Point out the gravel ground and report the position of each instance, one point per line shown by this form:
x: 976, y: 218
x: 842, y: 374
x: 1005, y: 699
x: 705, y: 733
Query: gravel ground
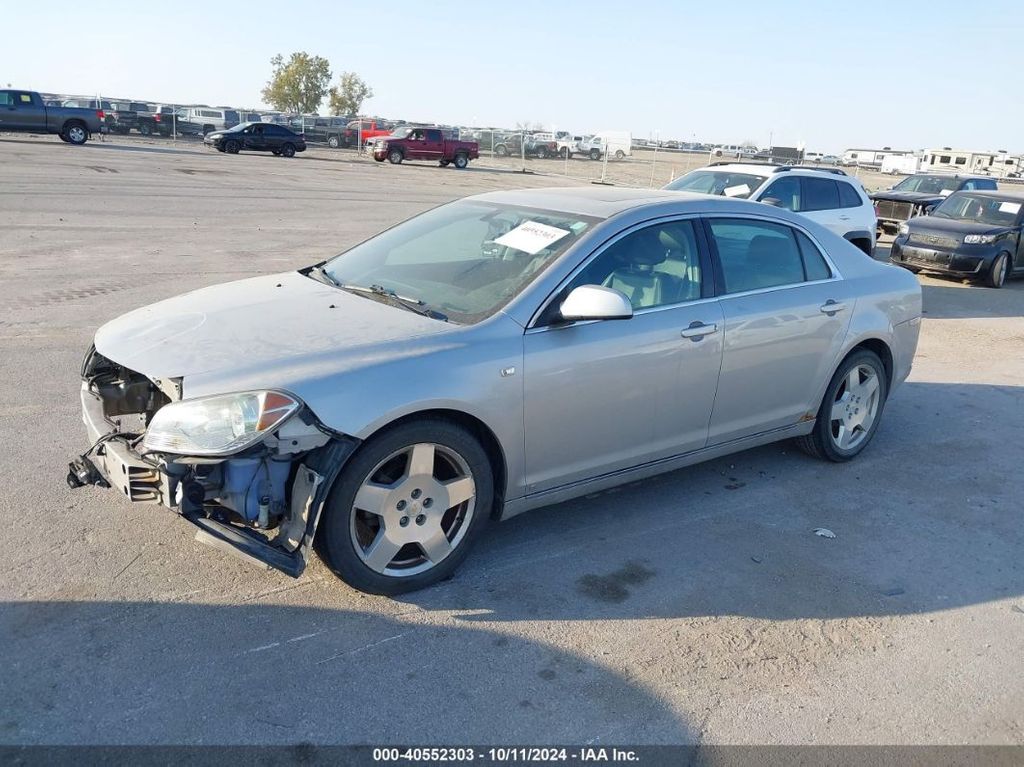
x: 695, y: 607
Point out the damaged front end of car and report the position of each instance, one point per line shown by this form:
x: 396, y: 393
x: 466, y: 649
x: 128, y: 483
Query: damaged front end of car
x: 250, y: 469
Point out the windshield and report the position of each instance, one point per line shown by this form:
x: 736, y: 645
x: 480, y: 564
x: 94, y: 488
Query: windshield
x: 927, y: 184
x: 964, y: 206
x: 465, y: 260
x: 401, y: 131
x: 721, y: 182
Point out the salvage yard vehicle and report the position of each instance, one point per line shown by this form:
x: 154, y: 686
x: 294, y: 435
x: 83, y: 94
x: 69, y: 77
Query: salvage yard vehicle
x: 25, y: 112
x: 918, y: 194
x: 500, y: 353
x: 425, y: 144
x: 971, y: 234
x: 825, y: 195
x: 257, y: 137
x: 157, y: 119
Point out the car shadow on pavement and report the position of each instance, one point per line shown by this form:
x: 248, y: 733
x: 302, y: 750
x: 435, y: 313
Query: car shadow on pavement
x: 88, y: 672
x: 926, y: 519
x: 146, y: 149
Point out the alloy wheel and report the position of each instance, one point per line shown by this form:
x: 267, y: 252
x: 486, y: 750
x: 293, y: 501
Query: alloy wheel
x: 413, y: 510
x: 855, y: 407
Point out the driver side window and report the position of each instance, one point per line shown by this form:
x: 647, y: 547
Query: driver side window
x: 655, y: 266
x: 787, y: 193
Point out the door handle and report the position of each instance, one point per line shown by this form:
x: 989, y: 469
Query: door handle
x: 844, y: 218
x: 830, y: 307
x: 698, y: 330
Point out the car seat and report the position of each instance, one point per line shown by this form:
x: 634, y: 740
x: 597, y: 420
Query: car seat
x: 768, y: 265
x: 637, y: 255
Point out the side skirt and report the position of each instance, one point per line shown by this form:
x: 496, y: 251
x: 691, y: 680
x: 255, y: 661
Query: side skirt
x: 650, y: 469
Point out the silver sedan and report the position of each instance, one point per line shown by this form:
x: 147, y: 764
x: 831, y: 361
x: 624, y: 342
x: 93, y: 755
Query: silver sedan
x: 497, y: 354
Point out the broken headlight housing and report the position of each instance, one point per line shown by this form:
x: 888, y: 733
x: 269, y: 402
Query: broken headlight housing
x: 219, y: 425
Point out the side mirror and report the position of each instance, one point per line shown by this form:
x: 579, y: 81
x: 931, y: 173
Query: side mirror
x: 775, y: 202
x: 929, y: 209
x: 593, y: 302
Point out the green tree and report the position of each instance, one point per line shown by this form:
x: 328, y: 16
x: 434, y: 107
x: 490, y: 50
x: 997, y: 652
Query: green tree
x: 299, y: 84
x: 348, y: 95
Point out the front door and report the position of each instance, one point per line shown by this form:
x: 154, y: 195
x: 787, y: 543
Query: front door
x: 786, y: 315
x: 608, y: 395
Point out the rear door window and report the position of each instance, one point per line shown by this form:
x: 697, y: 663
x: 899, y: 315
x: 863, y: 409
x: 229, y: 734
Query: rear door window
x: 848, y: 197
x: 756, y: 254
x: 6, y: 98
x: 820, y: 194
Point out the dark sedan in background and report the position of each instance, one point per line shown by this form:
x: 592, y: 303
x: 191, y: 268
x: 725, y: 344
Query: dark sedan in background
x: 917, y: 194
x: 975, y: 235
x: 257, y: 137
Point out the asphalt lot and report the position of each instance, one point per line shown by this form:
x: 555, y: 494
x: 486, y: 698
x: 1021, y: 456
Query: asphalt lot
x: 695, y: 607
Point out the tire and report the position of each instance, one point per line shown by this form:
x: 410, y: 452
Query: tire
x: 996, y: 275
x: 619, y: 154
x: 843, y: 438
x: 595, y: 154
x: 231, y: 146
x: 395, y: 157
x: 461, y: 161
x: 288, y: 150
x: 349, y: 536
x: 378, y: 159
x: 145, y: 129
x: 333, y: 142
x: 444, y: 163
x: 542, y: 153
x: 75, y: 133
x: 62, y: 137
x: 501, y: 150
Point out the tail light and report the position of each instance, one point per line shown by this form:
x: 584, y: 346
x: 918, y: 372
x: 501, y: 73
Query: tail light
x: 99, y: 114
x: 876, y: 210
x: 157, y: 117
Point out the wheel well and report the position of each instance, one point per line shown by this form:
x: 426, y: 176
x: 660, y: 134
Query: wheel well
x: 482, y: 432
x: 881, y: 349
x: 864, y: 243
x: 72, y: 122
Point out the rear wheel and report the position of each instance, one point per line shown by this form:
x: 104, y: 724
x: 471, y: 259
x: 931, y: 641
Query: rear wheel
x: 850, y: 409
x: 595, y: 154
x: 288, y: 150
x: 144, y: 129
x: 75, y: 133
x: 501, y: 150
x: 231, y: 146
x: 542, y: 152
x: 408, y: 506
x: 996, y: 275
x: 395, y: 157
x: 461, y: 161
x: 619, y: 154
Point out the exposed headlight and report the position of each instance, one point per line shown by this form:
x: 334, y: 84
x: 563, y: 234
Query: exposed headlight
x: 904, y: 229
x: 218, y: 425
x: 980, y: 239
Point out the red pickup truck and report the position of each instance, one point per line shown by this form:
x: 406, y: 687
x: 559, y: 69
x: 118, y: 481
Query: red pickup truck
x: 425, y: 144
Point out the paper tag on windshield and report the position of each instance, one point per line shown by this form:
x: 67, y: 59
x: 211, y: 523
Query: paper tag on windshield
x: 1009, y: 207
x: 531, y: 237
x: 736, y: 191
x: 946, y: 192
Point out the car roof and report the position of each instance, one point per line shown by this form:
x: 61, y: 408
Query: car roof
x: 606, y: 202
x: 771, y: 168
x: 1017, y: 195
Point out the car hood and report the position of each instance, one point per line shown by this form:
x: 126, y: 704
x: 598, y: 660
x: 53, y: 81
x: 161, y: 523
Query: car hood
x: 951, y: 226
x: 915, y: 197
x: 253, y: 325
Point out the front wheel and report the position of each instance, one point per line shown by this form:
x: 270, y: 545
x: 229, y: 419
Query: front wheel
x: 288, y: 150
x: 501, y: 150
x: 395, y: 157
x: 850, y: 410
x: 231, y: 146
x: 406, y: 509
x: 996, y: 276
x: 461, y: 161
x: 333, y: 142
x: 595, y: 154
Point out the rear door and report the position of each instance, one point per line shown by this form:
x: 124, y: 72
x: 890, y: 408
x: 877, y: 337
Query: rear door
x: 605, y: 396
x: 786, y: 314
x: 433, y: 145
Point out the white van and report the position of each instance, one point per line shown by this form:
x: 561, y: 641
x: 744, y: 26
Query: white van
x: 617, y: 144
x: 202, y: 120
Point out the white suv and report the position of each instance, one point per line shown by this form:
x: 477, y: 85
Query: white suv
x: 825, y: 195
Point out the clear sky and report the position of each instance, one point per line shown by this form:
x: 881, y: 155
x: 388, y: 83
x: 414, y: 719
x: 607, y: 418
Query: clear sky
x: 829, y: 73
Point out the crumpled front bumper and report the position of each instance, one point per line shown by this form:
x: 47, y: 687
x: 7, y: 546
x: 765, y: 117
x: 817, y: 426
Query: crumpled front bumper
x: 117, y: 462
